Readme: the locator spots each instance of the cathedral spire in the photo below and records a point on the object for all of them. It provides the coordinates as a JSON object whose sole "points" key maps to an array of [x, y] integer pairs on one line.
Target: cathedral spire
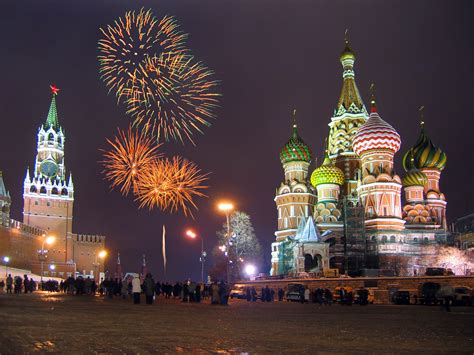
{"points": [[373, 104], [350, 100], [52, 119]]}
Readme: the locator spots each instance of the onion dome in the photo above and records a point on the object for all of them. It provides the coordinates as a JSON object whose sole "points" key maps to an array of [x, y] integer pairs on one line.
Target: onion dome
{"points": [[327, 173], [295, 149], [375, 133], [424, 154], [415, 177], [347, 53]]}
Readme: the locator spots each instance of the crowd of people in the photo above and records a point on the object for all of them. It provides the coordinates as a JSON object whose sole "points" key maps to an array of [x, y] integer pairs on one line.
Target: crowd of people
{"points": [[187, 291]]}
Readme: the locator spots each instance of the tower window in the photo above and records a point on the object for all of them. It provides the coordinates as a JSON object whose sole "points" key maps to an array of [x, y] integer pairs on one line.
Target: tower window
{"points": [[64, 192], [33, 189], [54, 191], [42, 190]]}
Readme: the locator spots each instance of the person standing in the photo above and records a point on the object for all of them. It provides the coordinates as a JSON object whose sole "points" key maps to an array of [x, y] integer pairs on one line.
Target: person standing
{"points": [[306, 294], [136, 289], [281, 293], [149, 288], [215, 293], [9, 283], [26, 283]]}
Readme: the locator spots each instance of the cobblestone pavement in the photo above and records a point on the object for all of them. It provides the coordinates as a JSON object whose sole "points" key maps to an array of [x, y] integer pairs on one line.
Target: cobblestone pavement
{"points": [[85, 324]]}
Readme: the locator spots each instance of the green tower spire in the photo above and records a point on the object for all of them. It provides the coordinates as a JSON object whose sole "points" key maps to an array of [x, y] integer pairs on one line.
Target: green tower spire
{"points": [[52, 119]]}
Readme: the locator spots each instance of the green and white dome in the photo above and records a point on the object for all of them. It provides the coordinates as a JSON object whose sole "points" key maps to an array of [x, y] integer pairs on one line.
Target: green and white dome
{"points": [[295, 149], [415, 177]]}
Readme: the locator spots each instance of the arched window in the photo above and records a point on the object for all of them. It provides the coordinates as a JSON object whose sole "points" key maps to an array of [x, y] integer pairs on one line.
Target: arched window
{"points": [[392, 239], [55, 191], [42, 190], [384, 239], [33, 189], [415, 240], [51, 137], [64, 192], [373, 238], [425, 240]]}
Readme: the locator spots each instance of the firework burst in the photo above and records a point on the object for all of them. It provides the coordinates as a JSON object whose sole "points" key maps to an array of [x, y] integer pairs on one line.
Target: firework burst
{"points": [[170, 185], [129, 42], [130, 155], [176, 98]]}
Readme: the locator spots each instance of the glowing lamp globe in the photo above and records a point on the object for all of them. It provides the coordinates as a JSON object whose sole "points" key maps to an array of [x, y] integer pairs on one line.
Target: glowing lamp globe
{"points": [[250, 269]]}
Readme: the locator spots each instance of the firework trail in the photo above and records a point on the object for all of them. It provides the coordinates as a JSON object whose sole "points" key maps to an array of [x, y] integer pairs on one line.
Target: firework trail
{"points": [[125, 46], [130, 155], [170, 185], [178, 99], [166, 92]]}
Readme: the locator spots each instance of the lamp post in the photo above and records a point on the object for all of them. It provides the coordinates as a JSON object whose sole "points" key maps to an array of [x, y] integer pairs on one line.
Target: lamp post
{"points": [[48, 240], [193, 235], [227, 208], [101, 255], [6, 260]]}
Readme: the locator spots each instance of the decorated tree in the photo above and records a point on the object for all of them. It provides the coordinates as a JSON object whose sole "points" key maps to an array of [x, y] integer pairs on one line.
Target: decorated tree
{"points": [[242, 246]]}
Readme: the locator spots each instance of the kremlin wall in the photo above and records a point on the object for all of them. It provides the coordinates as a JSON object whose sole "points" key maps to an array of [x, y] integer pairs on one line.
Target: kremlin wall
{"points": [[48, 197]]}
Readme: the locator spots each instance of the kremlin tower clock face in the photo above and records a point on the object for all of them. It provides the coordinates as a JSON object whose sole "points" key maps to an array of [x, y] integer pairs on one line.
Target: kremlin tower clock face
{"points": [[48, 168]]}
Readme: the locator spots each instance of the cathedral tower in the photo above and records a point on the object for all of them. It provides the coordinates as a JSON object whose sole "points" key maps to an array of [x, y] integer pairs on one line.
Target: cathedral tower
{"points": [[48, 194], [349, 115], [327, 179], [376, 142], [430, 160], [295, 197]]}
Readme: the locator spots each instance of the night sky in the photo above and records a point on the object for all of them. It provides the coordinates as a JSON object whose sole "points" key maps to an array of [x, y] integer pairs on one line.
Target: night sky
{"points": [[271, 56]]}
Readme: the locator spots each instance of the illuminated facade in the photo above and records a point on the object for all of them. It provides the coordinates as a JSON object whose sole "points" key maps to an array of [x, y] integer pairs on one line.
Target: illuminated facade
{"points": [[357, 206], [48, 195]]}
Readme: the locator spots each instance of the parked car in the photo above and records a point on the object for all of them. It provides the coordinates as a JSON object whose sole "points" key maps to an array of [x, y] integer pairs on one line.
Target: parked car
{"points": [[427, 292], [238, 292], [401, 297], [295, 292], [463, 296]]}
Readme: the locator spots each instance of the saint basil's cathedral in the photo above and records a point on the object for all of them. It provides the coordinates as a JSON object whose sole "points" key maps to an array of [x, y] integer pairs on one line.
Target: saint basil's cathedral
{"points": [[349, 214]]}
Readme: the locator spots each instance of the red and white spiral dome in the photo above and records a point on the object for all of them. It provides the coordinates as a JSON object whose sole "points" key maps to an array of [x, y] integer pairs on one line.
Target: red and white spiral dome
{"points": [[376, 134]]}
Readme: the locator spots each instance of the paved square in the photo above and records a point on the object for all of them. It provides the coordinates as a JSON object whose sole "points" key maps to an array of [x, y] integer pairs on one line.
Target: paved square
{"points": [[61, 323]]}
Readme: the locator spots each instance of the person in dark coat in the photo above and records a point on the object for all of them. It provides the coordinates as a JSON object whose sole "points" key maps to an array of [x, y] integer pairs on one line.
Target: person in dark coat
{"points": [[223, 293], [149, 288], [248, 294], [281, 293]]}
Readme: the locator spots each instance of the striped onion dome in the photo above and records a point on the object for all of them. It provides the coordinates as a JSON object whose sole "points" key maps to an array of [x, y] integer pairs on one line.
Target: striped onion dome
{"points": [[424, 154], [327, 173], [375, 133], [414, 177], [295, 149]]}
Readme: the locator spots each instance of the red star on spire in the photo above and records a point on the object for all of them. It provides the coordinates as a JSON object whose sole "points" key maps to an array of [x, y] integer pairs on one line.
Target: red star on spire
{"points": [[54, 89]]}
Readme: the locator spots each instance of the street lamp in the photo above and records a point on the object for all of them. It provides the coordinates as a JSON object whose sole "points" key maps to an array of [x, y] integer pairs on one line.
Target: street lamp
{"points": [[227, 208], [101, 254], [193, 235], [6, 260], [48, 240], [250, 270]]}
